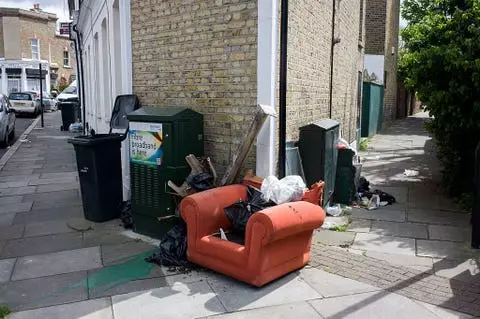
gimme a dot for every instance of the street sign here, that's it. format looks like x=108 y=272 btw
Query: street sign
x=65 y=28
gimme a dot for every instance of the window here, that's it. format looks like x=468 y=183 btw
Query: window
x=36 y=49
x=66 y=58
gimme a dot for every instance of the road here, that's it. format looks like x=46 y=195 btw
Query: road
x=21 y=125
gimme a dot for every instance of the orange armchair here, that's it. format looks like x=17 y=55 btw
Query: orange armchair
x=277 y=239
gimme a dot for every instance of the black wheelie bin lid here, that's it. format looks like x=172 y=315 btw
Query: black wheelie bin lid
x=124 y=104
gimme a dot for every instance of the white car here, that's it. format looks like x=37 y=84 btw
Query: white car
x=69 y=93
x=24 y=102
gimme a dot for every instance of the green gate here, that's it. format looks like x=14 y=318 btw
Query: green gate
x=372 y=109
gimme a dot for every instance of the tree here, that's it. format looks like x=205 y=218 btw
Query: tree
x=441 y=62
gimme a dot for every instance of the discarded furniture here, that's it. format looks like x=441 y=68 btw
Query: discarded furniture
x=277 y=239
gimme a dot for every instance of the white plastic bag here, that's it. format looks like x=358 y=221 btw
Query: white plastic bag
x=288 y=189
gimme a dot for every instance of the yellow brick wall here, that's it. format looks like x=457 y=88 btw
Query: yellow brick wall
x=202 y=55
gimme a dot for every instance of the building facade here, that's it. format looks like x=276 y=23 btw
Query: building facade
x=381 y=50
x=29 y=38
x=104 y=28
x=220 y=58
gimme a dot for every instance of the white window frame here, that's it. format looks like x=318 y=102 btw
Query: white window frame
x=68 y=58
x=37 y=45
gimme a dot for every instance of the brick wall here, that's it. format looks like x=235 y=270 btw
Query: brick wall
x=2 y=51
x=309 y=64
x=391 y=41
x=376 y=13
x=200 y=55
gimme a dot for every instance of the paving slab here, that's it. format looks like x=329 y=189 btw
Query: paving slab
x=442 y=312
x=386 y=244
x=11 y=232
x=419 y=263
x=449 y=233
x=331 y=221
x=360 y=225
x=15 y=208
x=42 y=245
x=59 y=175
x=115 y=254
x=97 y=237
x=10 y=200
x=47 y=228
x=371 y=305
x=57 y=263
x=4 y=173
x=333 y=238
x=48 y=181
x=464 y=270
x=60 y=196
x=18 y=191
x=57 y=187
x=11 y=184
x=127 y=286
x=6 y=219
x=6 y=267
x=235 y=295
x=399 y=229
x=293 y=310
x=58 y=213
x=444 y=249
x=429 y=216
x=330 y=285
x=379 y=214
x=180 y=301
x=43 y=292
x=89 y=309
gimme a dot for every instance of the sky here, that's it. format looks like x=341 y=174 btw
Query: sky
x=59 y=7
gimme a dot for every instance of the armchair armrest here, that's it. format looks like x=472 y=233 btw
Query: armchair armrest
x=285 y=220
x=203 y=212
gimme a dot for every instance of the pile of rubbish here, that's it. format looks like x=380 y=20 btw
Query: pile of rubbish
x=173 y=246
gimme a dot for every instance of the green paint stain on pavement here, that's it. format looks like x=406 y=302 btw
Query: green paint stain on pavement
x=134 y=268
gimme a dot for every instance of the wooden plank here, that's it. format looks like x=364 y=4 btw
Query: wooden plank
x=261 y=114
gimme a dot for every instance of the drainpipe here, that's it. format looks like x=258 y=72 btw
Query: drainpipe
x=332 y=52
x=283 y=90
x=78 y=55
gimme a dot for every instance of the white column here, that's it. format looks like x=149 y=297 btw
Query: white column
x=24 y=80
x=47 y=79
x=266 y=63
x=4 y=82
x=126 y=42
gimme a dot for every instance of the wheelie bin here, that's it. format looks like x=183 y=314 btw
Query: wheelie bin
x=99 y=164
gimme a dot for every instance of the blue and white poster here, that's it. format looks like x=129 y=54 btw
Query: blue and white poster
x=146 y=140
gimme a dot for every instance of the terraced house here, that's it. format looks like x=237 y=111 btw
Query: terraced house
x=220 y=58
x=27 y=38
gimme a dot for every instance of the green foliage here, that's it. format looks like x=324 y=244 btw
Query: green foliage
x=441 y=63
x=364 y=144
x=62 y=87
x=4 y=311
x=465 y=201
x=341 y=228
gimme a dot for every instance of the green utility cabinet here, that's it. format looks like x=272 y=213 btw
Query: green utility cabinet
x=160 y=138
x=318 y=150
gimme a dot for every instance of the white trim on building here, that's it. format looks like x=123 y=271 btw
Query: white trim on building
x=107 y=63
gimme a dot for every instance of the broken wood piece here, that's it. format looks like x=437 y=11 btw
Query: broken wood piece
x=261 y=114
x=183 y=190
x=212 y=170
x=194 y=164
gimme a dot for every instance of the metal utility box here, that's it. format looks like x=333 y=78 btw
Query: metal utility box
x=318 y=150
x=160 y=138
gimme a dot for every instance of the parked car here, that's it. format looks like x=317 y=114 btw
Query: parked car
x=7 y=121
x=69 y=92
x=49 y=103
x=24 y=102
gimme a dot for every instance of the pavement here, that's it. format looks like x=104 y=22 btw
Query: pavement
x=54 y=264
x=21 y=124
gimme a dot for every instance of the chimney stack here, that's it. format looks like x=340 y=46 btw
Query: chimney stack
x=36 y=6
